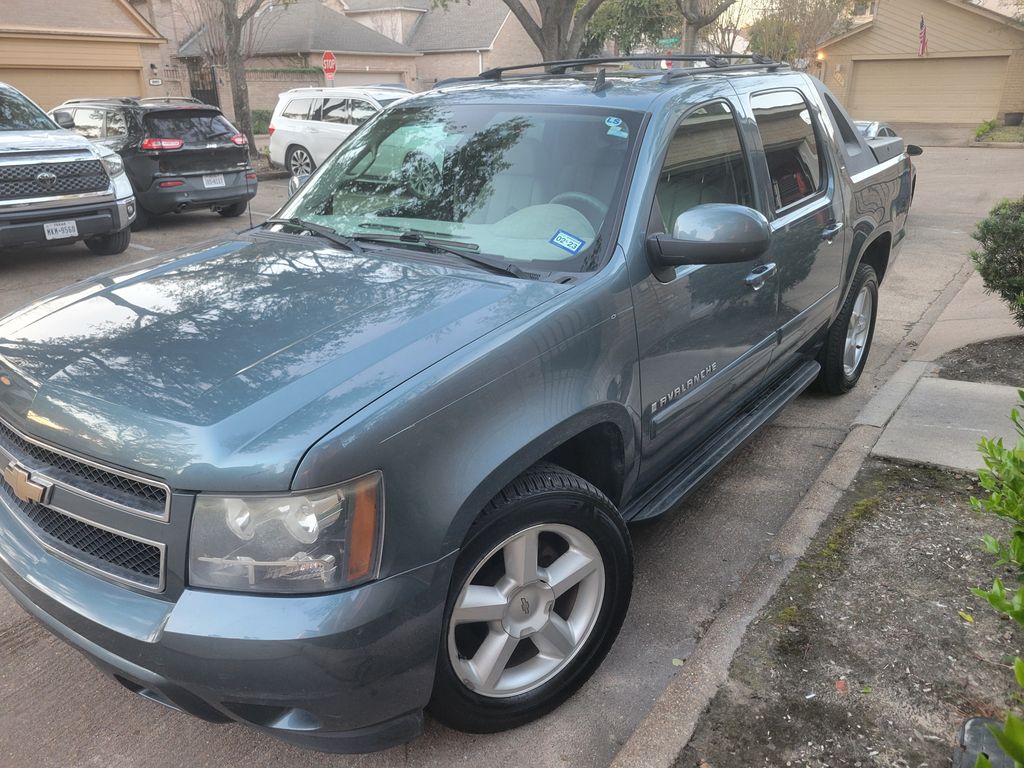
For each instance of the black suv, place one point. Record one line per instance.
(180, 154)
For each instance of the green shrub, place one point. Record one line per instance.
(1000, 260)
(261, 120)
(985, 128)
(1003, 479)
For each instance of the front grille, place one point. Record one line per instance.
(111, 486)
(111, 553)
(73, 177)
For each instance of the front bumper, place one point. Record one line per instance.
(23, 225)
(192, 193)
(345, 672)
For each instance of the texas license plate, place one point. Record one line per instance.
(60, 230)
(213, 180)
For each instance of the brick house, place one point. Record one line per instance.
(973, 69)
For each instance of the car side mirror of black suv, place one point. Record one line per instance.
(63, 118)
(716, 233)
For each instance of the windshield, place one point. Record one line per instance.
(19, 114)
(523, 184)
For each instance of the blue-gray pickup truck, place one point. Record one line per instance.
(378, 455)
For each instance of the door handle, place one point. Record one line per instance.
(756, 279)
(829, 233)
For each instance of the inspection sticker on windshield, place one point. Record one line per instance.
(567, 242)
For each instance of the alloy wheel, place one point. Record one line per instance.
(857, 331)
(300, 163)
(526, 610)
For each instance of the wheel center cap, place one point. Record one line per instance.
(528, 609)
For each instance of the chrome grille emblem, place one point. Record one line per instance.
(24, 487)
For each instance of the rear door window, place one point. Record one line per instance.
(361, 111)
(116, 125)
(795, 157)
(89, 122)
(192, 126)
(297, 109)
(333, 111)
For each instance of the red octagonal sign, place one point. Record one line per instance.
(329, 64)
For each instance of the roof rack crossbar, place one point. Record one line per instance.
(561, 66)
(679, 74)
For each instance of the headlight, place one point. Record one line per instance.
(113, 164)
(312, 542)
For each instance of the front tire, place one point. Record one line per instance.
(849, 338)
(141, 220)
(110, 245)
(538, 596)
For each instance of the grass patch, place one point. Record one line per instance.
(1003, 133)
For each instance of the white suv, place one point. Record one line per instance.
(309, 123)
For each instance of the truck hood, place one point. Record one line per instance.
(42, 141)
(218, 368)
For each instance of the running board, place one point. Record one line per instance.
(670, 489)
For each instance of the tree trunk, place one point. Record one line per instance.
(239, 85)
(689, 37)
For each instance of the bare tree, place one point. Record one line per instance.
(698, 14)
(790, 30)
(722, 35)
(228, 32)
(556, 27)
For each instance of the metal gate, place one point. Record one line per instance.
(202, 81)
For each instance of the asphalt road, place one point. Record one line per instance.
(57, 711)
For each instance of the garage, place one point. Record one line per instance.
(954, 90)
(49, 87)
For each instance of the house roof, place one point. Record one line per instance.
(997, 10)
(387, 5)
(462, 26)
(307, 26)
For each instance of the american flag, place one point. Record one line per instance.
(922, 49)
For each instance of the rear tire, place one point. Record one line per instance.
(233, 210)
(552, 557)
(299, 161)
(110, 245)
(849, 338)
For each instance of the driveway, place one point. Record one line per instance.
(56, 710)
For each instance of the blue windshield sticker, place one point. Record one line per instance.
(618, 131)
(567, 242)
(613, 122)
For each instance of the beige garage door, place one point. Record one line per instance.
(964, 90)
(50, 87)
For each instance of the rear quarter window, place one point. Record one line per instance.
(297, 109)
(191, 126)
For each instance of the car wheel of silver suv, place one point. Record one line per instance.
(538, 595)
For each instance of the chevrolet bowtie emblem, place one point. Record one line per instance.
(24, 487)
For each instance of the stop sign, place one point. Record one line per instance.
(329, 64)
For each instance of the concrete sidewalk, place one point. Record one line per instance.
(939, 421)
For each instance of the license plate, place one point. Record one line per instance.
(60, 230)
(213, 180)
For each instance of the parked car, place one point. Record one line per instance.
(875, 130)
(55, 187)
(180, 155)
(309, 123)
(380, 453)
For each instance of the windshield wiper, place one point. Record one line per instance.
(318, 229)
(404, 230)
(464, 251)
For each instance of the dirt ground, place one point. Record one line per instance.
(999, 361)
(874, 651)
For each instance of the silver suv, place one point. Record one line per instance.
(55, 186)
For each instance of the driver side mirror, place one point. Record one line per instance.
(63, 118)
(716, 233)
(295, 182)
(913, 150)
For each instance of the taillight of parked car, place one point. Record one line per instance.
(270, 130)
(152, 144)
(240, 140)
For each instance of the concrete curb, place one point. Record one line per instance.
(669, 725)
(997, 144)
(272, 174)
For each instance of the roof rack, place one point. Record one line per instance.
(151, 99)
(716, 63)
(104, 100)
